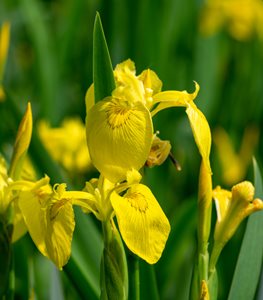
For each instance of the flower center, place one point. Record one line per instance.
(138, 201)
(117, 114)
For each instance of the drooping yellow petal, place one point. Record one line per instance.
(60, 227)
(50, 221)
(119, 137)
(222, 200)
(201, 132)
(19, 224)
(173, 99)
(142, 223)
(32, 205)
(198, 122)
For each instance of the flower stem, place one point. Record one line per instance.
(134, 277)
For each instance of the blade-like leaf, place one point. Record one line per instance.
(102, 68)
(249, 262)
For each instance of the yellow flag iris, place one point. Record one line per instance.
(119, 128)
(120, 139)
(242, 18)
(49, 217)
(71, 152)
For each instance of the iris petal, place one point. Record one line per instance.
(142, 223)
(119, 137)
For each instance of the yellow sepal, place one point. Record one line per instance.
(142, 223)
(119, 137)
(50, 221)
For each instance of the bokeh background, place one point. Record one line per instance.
(50, 63)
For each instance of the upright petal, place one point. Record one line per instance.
(222, 200)
(142, 223)
(119, 137)
(151, 81)
(127, 82)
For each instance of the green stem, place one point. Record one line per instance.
(134, 277)
(6, 260)
(215, 255)
(79, 280)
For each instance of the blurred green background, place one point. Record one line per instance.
(50, 64)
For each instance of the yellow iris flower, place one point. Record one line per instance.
(120, 129)
(44, 211)
(71, 152)
(242, 18)
(142, 223)
(121, 140)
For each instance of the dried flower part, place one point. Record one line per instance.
(204, 291)
(159, 152)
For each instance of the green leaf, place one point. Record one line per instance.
(103, 77)
(213, 285)
(148, 279)
(86, 255)
(47, 70)
(249, 262)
